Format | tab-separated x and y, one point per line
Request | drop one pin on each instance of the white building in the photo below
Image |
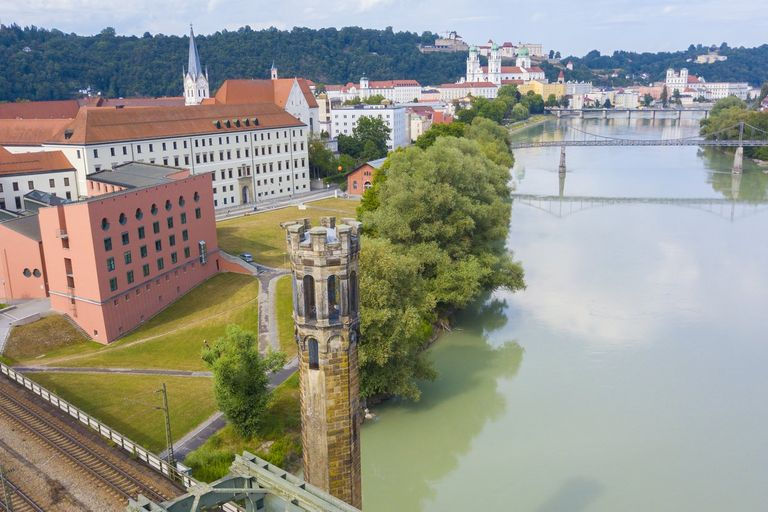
711	91
497	74
344	119
45	171
195	81
396	91
626	99
710	58
452	92
578	88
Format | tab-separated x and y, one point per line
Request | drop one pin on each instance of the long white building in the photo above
711	91
21	173
396	91
344	119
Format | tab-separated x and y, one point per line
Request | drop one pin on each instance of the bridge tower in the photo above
324	263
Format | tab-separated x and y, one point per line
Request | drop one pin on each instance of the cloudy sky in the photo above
571	27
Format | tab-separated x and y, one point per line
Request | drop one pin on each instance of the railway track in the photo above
20	501
119	482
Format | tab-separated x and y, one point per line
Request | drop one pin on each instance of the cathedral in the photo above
195	81
497	74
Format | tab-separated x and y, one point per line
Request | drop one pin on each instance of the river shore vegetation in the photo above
435	225
726	114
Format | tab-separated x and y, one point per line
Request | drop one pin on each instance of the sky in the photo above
574	28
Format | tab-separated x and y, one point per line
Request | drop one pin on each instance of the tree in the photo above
676	97
368	140
551	101
426	139
664	97
557	55
520	112
375	99
564	102
607	103
647	100
322	162
240	378
551	54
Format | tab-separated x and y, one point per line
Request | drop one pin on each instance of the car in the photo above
247	257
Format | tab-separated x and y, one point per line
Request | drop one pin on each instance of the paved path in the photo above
217	421
124	371
20	311
275	204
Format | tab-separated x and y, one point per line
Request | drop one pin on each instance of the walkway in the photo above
274	204
20	312
123	371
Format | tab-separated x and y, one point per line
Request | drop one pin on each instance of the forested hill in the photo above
743	65
38	64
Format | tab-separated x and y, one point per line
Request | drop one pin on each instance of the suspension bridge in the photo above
756	137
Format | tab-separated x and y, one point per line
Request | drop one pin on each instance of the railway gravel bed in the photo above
104	477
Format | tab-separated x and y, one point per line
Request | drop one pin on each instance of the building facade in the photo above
345	118
497	74
21	173
324	263
395	91
361	179
711	91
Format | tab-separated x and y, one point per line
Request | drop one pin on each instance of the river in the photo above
630	375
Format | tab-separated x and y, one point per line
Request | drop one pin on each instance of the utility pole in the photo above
6	498
168	438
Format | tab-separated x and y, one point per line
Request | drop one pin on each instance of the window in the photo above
51	183
125	238
156	227
143	251
158	245
310	311
151	148
15	186
153	209
125	150
198	213
203	251
314	354
174	257
139	214
108	244
160	264
113	284
172	240
185	235
196	197
170	222
186	252
129	276
145	269
110	264
168	205
183	218
104	223
95	153
333	298
182	202
142	233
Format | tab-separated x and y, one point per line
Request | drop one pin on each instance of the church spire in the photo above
193	67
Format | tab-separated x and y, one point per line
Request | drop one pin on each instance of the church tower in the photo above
324	263
273	71
195	81
473	66
494	65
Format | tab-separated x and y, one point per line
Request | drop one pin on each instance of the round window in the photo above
104	224
182	202
36	273
27	272
197	197
139	214
123	218
168	205
153	209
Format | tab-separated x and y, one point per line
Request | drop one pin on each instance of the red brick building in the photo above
361	179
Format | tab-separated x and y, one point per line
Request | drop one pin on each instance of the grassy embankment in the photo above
278	441
261	235
531	121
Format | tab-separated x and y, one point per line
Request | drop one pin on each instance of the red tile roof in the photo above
64	109
30	163
29	132
388	84
464	85
235	92
99	125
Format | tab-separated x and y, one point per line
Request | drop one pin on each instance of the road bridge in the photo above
652	113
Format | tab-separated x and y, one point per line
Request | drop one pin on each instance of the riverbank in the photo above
531	121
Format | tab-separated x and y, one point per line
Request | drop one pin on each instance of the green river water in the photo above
630	375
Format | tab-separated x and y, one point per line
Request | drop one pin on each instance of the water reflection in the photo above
456	409
751	185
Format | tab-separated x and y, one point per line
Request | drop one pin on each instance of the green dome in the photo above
523	52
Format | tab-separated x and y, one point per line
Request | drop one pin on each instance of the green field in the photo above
284	306
261	235
173	339
279	439
50	335
128	403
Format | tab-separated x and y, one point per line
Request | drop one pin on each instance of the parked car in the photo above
247	257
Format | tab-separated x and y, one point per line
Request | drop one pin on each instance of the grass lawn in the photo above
175	337
127	402
278	441
261	235
50	334
284	306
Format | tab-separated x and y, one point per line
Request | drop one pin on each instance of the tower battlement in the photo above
324	244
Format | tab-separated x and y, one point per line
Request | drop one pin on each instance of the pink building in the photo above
114	260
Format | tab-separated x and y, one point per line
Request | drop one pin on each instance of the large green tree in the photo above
240	377
368	140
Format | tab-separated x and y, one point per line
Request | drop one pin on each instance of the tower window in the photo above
333	299
314	354
309	298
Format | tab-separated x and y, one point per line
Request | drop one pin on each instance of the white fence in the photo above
137	451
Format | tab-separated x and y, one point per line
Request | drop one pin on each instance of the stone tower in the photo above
195	81
324	262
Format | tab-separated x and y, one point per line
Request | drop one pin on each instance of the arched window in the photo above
333	298
310	311
353	292
314	354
